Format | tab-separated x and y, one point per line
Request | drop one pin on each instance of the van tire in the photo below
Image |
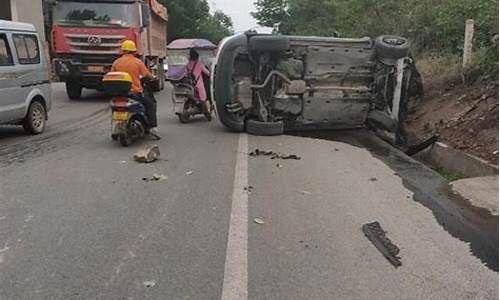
390	48
34	122
74	90
255	127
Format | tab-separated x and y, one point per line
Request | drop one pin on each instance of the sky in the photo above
239	11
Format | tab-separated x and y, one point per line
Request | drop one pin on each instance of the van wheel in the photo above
34	122
74	90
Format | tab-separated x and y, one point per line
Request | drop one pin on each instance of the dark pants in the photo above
149	103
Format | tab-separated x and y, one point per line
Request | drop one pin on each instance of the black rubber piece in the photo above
376	235
391	47
269	43
265	128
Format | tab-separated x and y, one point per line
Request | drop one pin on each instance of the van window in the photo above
5	55
27	48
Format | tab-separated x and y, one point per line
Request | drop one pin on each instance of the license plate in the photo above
120	116
96	69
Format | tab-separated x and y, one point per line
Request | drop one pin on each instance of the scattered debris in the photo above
305	193
123	161
279	166
248	189
373	179
274	155
188	173
148	154
149	283
258	221
156	177
376	235
336	150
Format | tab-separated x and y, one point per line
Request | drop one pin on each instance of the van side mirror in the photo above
146	15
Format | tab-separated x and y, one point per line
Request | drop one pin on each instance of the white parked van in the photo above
25	93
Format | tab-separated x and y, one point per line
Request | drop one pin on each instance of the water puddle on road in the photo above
475	226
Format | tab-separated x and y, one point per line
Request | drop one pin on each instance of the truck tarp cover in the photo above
159	9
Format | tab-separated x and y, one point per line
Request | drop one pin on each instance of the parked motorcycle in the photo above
129	121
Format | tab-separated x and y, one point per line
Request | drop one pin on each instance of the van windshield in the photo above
95	15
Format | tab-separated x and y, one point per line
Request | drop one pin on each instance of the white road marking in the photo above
235	286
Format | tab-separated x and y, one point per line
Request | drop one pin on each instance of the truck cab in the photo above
87	35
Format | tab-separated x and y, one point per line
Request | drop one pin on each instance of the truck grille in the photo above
95	44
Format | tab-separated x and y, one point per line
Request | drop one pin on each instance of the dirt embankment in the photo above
464	116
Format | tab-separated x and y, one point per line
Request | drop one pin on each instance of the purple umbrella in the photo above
191	43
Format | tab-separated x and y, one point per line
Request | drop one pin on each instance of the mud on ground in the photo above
464	116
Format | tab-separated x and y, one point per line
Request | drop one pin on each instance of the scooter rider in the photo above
198	72
137	70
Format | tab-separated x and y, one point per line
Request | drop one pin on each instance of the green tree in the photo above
192	19
271	12
216	26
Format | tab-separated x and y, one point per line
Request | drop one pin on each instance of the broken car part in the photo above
376	235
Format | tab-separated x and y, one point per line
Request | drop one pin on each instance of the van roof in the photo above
9	25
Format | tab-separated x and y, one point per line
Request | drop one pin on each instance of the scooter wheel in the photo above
208	116
114	137
124	140
183	118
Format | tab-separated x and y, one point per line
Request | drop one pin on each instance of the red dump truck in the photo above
87	35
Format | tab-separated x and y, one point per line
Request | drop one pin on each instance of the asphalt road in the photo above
78	222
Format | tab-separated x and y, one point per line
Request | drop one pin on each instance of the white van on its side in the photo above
25	92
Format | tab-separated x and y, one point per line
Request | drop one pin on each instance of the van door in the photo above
9	85
32	74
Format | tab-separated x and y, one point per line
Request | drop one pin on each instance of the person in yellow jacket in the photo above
130	64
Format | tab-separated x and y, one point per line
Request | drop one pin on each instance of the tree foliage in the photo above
431	25
192	19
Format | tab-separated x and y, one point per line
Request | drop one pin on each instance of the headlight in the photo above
63	67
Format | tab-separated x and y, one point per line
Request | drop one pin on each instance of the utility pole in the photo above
469	35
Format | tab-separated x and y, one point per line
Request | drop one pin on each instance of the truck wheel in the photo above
34	122
265	128
74	90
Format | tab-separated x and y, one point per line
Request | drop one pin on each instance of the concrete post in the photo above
469	35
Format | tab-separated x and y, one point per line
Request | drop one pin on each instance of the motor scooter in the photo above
129	121
184	100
